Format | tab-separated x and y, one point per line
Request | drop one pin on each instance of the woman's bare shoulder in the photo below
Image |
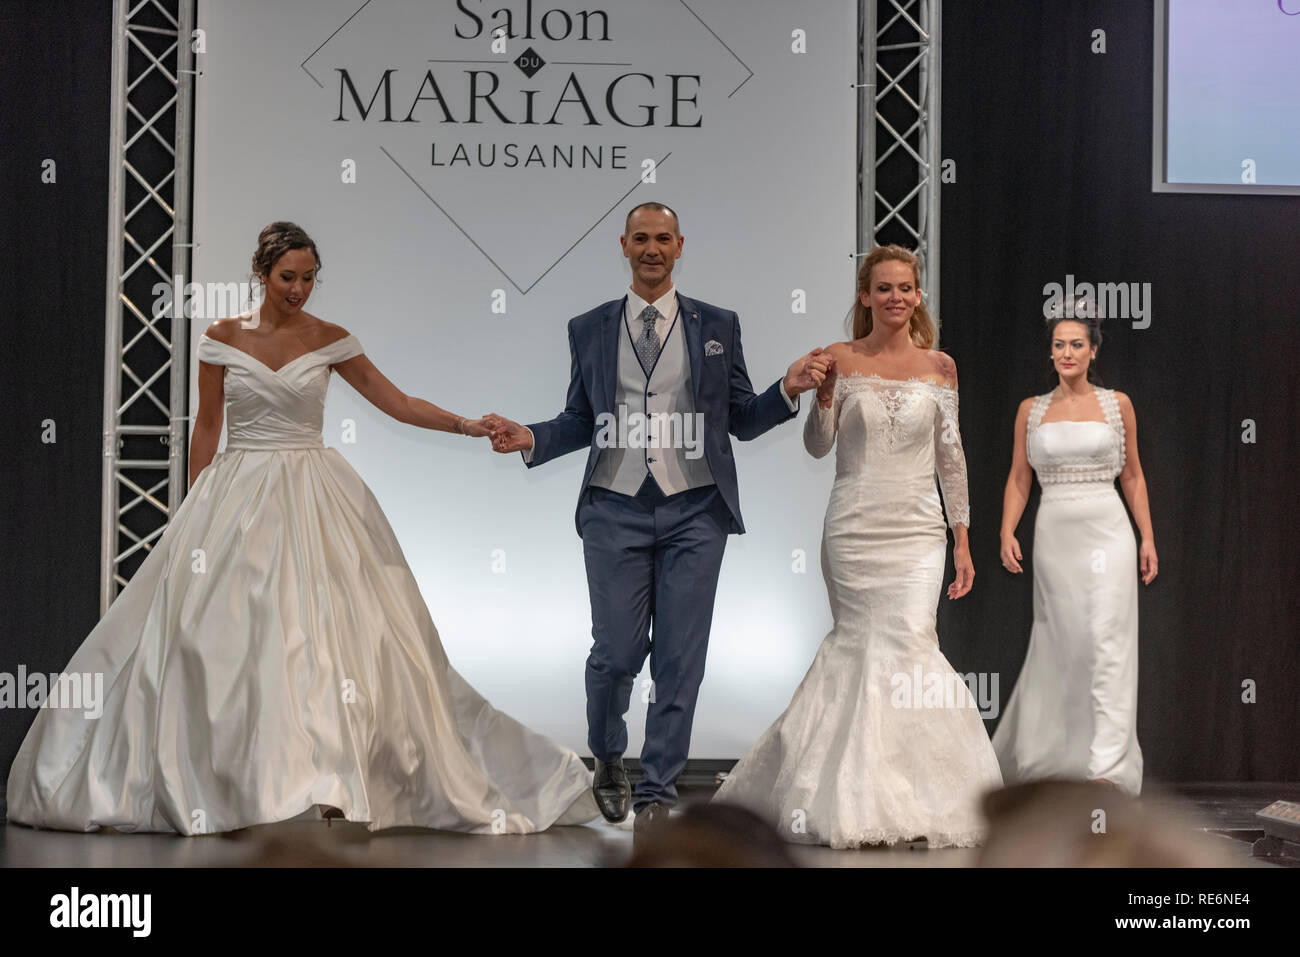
943	365
326	332
224	330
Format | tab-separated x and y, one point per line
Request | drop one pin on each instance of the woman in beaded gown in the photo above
1073	712
273	652
882	741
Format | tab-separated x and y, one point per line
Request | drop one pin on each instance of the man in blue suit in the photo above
657	385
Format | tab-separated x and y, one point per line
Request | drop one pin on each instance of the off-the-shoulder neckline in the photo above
287	364
910	379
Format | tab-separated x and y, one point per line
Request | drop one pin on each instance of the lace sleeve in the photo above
950	459
819	427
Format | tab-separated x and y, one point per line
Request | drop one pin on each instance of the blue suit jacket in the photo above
721	388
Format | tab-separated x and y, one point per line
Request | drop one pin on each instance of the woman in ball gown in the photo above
1073	713
882	741
273	653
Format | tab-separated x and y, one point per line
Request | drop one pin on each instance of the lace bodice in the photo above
1072	451
894	430
276	409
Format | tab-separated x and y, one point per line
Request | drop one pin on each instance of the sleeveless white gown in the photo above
1073	712
274	652
882	741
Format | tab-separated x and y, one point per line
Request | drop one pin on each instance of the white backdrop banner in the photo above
465	167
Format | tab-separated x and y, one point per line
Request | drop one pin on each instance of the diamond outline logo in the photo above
524	290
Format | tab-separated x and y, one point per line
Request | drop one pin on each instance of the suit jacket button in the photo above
649	460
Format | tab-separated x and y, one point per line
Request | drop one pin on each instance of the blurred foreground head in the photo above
1086	824
713	835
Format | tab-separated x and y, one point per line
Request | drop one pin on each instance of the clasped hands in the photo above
506	436
807	372
816	370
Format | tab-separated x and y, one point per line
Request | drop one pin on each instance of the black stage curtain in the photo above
54	104
1052	144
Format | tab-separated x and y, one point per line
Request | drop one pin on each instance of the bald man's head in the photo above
654	207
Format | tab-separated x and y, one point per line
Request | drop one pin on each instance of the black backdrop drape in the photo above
54	104
1052	145
1052	151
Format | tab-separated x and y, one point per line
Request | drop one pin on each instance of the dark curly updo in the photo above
1084	311
276	240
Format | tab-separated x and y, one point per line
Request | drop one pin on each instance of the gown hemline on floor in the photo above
1072	714
851	762
274	652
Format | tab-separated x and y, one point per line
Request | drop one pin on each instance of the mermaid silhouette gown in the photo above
882	741
274	652
1073	712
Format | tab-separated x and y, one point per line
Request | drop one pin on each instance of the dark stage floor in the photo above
1226	811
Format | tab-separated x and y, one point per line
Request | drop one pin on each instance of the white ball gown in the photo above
274	652
882	741
1073	712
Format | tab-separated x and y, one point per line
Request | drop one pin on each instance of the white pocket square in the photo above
713	348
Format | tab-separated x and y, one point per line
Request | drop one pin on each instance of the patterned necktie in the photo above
648	346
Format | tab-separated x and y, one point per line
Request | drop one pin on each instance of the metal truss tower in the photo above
145	386
898	119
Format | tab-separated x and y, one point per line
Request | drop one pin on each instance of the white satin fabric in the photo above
274	652
862	755
1073	712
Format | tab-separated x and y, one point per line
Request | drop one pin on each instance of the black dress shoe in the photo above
650	818
612	789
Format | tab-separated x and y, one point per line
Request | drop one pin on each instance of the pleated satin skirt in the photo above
274	652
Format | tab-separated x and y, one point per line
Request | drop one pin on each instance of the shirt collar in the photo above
665	304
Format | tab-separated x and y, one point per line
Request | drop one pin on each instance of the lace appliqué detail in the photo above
950	458
1084	468
898	397
819	428
1036	412
853	379
896	403
1110	407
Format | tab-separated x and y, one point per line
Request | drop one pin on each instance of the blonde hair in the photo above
921	326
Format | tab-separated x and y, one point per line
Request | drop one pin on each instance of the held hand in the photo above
1011	557
806	372
507	436
1147	562
826	391
475	428
965	573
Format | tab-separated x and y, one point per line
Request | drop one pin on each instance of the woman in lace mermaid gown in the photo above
1073	712
882	741
273	652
